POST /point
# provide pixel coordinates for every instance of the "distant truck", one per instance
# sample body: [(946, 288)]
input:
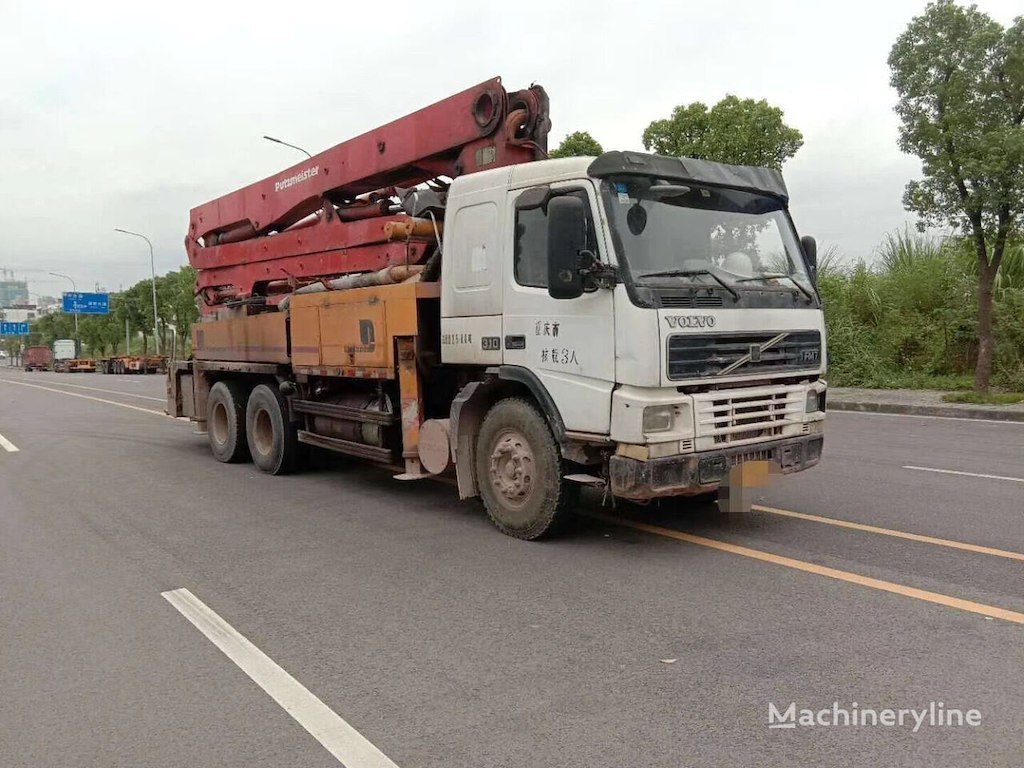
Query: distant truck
[(38, 358), (66, 359), (64, 349), (133, 364)]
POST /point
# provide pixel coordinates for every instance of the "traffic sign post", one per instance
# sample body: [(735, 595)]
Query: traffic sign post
[(87, 303), (13, 329)]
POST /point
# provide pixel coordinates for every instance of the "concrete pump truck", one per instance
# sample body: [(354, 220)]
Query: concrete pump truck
[(437, 297)]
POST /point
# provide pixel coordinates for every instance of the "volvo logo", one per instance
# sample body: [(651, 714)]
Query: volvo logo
[(690, 321), (753, 355)]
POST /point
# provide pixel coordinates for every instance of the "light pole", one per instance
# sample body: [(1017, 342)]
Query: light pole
[(75, 289), (278, 141), (152, 268)]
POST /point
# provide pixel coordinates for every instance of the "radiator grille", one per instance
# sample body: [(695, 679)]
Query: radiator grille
[(741, 417), (697, 356)]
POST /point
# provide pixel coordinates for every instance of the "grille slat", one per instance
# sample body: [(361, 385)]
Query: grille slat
[(691, 356), (741, 417)]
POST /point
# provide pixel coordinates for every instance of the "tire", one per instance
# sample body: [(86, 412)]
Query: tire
[(519, 472), (225, 422), (273, 439)]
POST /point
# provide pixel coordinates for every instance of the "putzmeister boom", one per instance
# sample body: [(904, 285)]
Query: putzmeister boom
[(640, 323)]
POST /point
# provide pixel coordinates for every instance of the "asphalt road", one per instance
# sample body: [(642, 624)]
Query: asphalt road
[(652, 636)]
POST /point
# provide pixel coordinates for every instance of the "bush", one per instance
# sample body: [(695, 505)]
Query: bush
[(910, 319)]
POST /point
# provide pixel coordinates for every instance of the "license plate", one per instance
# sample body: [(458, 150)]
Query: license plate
[(753, 474)]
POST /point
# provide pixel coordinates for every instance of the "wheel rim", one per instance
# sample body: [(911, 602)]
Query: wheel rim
[(512, 468), (220, 423), (263, 432)]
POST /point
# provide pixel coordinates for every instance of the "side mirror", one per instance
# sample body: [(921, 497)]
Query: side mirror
[(567, 236), (810, 246)]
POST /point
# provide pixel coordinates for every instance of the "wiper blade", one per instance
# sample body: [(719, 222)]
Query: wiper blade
[(694, 273), (778, 276)]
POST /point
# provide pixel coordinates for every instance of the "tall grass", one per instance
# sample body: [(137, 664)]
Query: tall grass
[(910, 317)]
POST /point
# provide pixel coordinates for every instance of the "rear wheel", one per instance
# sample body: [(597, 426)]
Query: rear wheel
[(225, 422), (519, 472), (273, 439)]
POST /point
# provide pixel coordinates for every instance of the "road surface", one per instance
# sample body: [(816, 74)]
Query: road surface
[(160, 609)]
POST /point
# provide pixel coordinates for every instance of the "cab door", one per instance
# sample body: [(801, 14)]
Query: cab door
[(569, 344)]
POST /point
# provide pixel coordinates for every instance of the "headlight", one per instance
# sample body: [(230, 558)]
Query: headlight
[(813, 402), (658, 418)]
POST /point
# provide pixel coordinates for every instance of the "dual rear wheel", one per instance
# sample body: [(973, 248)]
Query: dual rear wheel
[(243, 424)]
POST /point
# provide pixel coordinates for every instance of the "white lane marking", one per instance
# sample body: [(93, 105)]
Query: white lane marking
[(348, 746), (1008, 422), (84, 397), (108, 391), (7, 445), (968, 474)]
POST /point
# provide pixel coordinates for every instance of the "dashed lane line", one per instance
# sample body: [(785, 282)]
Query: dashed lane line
[(345, 743), (7, 445), (966, 474)]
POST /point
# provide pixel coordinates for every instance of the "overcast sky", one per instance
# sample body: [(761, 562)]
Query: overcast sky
[(129, 114)]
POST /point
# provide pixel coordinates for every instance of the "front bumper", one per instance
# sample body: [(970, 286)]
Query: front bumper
[(693, 473)]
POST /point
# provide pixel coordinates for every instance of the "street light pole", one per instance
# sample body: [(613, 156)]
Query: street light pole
[(285, 143), (152, 267), (75, 289)]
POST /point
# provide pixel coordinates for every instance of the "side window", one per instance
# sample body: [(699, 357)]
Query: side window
[(531, 246)]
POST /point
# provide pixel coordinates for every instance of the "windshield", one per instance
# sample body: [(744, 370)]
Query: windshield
[(674, 232)]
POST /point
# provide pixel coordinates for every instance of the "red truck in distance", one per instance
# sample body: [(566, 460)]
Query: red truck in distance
[(38, 359)]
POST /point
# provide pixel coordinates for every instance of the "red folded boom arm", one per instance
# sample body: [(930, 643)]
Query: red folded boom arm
[(320, 218)]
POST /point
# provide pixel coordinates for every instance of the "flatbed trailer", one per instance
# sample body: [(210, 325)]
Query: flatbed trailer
[(75, 365), (128, 364)]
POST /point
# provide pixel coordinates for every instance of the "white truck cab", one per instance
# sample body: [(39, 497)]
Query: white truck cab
[(662, 312)]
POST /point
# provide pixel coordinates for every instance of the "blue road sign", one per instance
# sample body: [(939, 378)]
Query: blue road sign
[(13, 329), (87, 303)]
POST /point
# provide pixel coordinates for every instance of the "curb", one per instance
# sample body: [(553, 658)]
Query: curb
[(953, 412)]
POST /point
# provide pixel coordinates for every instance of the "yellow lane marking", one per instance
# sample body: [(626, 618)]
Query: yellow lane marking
[(84, 397), (820, 570), (96, 389), (976, 548)]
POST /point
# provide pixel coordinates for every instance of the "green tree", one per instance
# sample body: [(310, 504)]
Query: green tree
[(48, 328), (577, 144), (960, 79), (92, 332), (735, 130), (183, 308)]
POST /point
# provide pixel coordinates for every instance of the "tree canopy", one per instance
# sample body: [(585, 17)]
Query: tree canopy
[(959, 76), (105, 334), (577, 144), (735, 130)]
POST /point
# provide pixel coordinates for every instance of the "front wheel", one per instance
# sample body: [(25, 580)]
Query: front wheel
[(519, 472)]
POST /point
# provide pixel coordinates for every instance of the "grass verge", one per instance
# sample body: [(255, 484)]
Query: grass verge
[(992, 398)]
